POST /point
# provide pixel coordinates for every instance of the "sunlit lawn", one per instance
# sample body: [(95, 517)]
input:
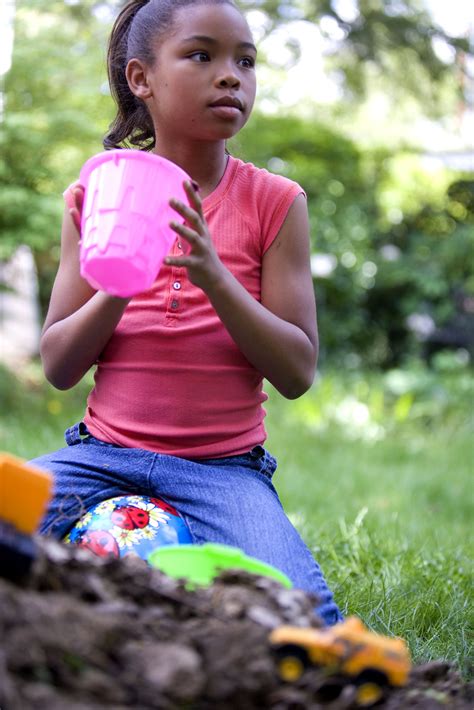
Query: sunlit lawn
[(376, 473)]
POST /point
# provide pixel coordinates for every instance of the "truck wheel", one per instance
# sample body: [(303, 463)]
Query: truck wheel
[(291, 662), (371, 687)]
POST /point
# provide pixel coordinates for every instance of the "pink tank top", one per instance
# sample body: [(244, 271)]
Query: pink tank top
[(171, 379)]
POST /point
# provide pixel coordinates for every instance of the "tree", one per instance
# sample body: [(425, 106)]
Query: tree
[(385, 36), (56, 109)]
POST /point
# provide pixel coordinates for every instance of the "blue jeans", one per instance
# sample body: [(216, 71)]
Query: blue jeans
[(226, 500)]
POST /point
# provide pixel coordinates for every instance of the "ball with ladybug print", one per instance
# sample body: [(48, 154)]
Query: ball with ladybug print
[(129, 524)]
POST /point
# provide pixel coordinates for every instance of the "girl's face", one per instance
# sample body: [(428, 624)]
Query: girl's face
[(202, 84)]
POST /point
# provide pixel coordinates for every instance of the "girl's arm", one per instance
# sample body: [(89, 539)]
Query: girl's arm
[(80, 320), (279, 335)]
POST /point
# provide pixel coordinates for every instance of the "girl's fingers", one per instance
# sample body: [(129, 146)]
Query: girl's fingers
[(179, 261), (187, 213), (188, 234), (76, 211), (76, 218), (192, 191), (78, 193)]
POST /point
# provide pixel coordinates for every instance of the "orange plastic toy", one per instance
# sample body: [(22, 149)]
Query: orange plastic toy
[(24, 493), (370, 660)]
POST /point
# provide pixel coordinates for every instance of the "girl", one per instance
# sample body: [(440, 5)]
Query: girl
[(176, 410)]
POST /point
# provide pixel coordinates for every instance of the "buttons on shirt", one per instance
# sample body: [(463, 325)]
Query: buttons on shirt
[(180, 246), (175, 304)]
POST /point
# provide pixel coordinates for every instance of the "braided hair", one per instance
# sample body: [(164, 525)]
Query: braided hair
[(133, 35)]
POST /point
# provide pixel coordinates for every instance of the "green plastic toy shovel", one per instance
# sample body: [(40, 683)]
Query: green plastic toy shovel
[(200, 564)]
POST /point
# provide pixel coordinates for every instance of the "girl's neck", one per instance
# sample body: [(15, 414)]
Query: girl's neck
[(205, 163)]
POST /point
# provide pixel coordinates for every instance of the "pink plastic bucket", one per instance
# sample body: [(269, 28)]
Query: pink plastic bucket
[(125, 232)]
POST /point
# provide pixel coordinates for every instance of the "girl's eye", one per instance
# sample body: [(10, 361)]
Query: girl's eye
[(247, 62), (199, 57)]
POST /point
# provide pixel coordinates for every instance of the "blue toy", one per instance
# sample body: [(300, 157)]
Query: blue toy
[(133, 523)]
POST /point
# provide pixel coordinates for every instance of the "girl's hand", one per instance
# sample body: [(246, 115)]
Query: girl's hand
[(202, 262), (75, 209)]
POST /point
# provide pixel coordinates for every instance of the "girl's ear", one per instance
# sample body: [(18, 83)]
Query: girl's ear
[(137, 79)]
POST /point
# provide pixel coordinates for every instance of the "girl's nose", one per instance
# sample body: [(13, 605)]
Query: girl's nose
[(228, 78)]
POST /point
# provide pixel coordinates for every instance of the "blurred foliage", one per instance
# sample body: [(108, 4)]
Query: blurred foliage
[(397, 244), (387, 35), (392, 291), (422, 299), (402, 403), (55, 112)]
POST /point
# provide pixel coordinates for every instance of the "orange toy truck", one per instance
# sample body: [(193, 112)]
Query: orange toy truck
[(371, 660)]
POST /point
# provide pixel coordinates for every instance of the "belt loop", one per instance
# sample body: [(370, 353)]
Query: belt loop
[(257, 452), (74, 434)]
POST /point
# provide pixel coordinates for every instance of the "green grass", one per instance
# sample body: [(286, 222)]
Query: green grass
[(374, 470), (376, 473)]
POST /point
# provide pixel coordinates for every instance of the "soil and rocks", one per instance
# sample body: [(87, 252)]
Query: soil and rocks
[(87, 633)]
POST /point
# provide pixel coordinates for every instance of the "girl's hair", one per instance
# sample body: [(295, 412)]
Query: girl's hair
[(134, 35)]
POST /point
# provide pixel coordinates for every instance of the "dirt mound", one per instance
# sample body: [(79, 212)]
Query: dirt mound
[(85, 633)]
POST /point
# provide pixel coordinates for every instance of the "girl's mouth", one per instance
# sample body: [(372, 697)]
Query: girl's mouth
[(226, 112), (227, 107), (229, 100)]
